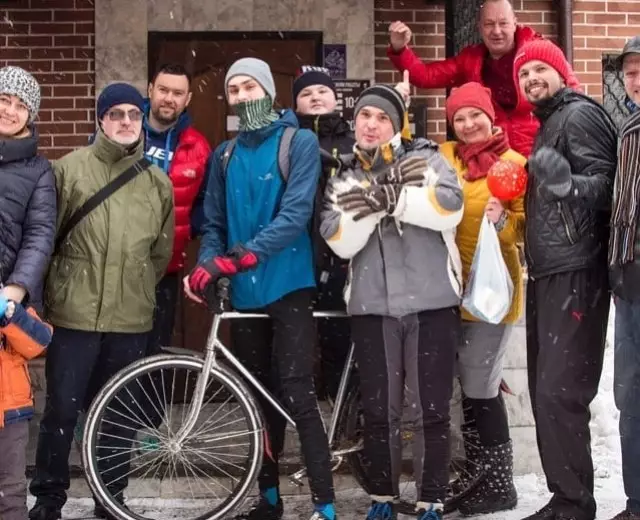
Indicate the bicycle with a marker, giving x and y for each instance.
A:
(188, 440)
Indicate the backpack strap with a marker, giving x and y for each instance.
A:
(283, 151)
(227, 155)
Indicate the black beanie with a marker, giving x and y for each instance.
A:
(311, 75)
(118, 94)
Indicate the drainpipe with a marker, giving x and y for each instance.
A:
(565, 30)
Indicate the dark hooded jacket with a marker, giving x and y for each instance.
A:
(27, 215)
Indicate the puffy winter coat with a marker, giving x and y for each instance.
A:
(520, 124)
(27, 214)
(572, 233)
(476, 195)
(104, 275)
(22, 337)
(183, 154)
(408, 261)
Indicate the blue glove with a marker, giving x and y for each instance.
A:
(3, 306)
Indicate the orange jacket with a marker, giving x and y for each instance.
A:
(22, 337)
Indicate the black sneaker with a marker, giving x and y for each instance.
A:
(42, 511)
(382, 511)
(263, 510)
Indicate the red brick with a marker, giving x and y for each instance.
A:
(14, 28)
(75, 141)
(430, 16)
(29, 41)
(393, 15)
(82, 78)
(85, 53)
(31, 15)
(579, 5)
(45, 140)
(72, 41)
(84, 102)
(71, 91)
(32, 66)
(85, 28)
(74, 16)
(627, 31)
(85, 4)
(54, 53)
(622, 7)
(51, 28)
(54, 4)
(85, 128)
(57, 102)
(606, 43)
(56, 128)
(54, 79)
(70, 115)
(15, 53)
(45, 115)
(590, 30)
(606, 18)
(71, 65)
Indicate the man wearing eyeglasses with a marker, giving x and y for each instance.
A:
(100, 292)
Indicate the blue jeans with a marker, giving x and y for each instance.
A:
(627, 395)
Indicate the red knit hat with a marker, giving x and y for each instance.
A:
(546, 51)
(470, 94)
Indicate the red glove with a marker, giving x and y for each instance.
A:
(237, 260)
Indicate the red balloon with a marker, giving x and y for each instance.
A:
(507, 180)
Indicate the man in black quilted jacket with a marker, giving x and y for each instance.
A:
(568, 202)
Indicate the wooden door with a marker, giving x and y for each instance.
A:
(209, 60)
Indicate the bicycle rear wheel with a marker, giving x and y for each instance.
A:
(130, 443)
(463, 478)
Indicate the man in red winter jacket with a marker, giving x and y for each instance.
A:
(489, 63)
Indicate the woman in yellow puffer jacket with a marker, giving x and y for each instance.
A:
(479, 145)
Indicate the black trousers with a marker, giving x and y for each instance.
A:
(78, 362)
(167, 292)
(410, 358)
(279, 353)
(566, 330)
(334, 334)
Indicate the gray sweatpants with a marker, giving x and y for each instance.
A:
(480, 358)
(13, 484)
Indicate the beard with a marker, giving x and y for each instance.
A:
(164, 119)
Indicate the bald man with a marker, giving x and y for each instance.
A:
(489, 63)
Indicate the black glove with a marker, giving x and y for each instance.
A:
(553, 173)
(365, 202)
(407, 171)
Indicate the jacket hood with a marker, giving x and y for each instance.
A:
(12, 150)
(184, 121)
(560, 99)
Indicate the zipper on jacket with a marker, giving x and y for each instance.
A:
(567, 227)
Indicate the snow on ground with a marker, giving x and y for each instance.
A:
(352, 504)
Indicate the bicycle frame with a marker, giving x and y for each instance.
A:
(210, 361)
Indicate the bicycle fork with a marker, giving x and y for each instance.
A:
(337, 455)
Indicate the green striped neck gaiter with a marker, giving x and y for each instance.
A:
(255, 114)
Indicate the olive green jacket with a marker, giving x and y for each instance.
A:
(104, 275)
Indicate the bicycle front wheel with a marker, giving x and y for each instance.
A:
(130, 446)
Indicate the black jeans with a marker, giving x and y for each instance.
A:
(566, 330)
(334, 334)
(412, 355)
(167, 292)
(279, 353)
(76, 362)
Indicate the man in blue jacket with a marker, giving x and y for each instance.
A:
(256, 232)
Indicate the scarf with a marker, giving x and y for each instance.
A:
(479, 157)
(626, 190)
(255, 114)
(384, 154)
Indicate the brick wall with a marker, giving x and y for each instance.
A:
(599, 27)
(54, 39)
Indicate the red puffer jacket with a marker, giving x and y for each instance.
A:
(186, 172)
(520, 124)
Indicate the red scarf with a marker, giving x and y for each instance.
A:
(479, 157)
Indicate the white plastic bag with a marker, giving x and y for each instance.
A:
(489, 292)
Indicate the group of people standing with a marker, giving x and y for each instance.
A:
(375, 222)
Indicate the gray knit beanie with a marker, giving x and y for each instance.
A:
(387, 99)
(18, 82)
(255, 68)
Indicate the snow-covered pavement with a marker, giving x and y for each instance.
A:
(352, 504)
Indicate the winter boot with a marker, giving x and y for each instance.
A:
(495, 492)
(382, 511)
(472, 467)
(627, 515)
(429, 511)
(546, 513)
(42, 511)
(263, 510)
